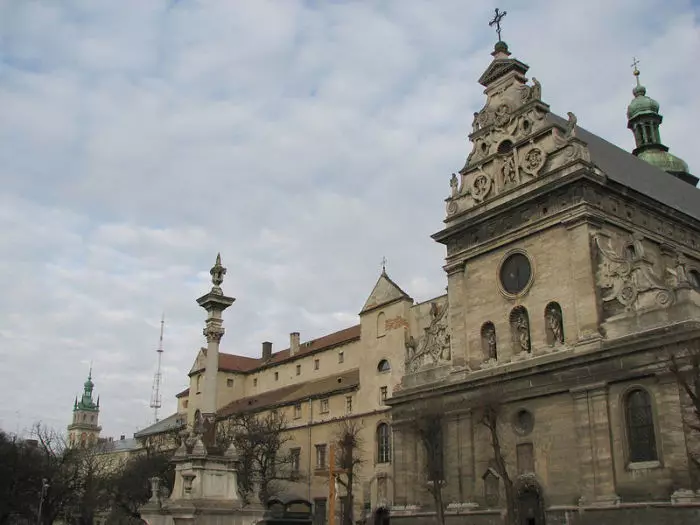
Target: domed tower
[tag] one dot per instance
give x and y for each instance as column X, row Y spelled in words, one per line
column 84, row 431
column 644, row 119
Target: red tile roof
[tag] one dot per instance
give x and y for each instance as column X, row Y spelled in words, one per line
column 240, row 363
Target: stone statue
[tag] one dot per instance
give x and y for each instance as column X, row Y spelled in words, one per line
column 536, row 92
column 454, row 185
column 571, row 125
column 490, row 337
column 475, row 123
column 554, row 322
column 508, row 170
column 523, row 329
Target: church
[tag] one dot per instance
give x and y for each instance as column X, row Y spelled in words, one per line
column 573, row 272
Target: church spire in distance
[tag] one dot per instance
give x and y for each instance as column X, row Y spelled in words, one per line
column 644, row 119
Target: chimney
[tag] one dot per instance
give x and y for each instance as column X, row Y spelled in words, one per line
column 294, row 343
column 267, row 350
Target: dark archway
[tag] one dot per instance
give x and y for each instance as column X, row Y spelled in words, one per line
column 381, row 516
column 530, row 502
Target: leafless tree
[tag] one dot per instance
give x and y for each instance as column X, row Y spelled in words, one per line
column 488, row 411
column 264, row 462
column 348, row 461
column 429, row 424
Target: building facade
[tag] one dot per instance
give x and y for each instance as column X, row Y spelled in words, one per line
column 573, row 273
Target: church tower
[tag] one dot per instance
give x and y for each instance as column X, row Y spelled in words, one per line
column 644, row 119
column 84, row 431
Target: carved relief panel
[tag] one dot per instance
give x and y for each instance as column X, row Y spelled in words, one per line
column 432, row 347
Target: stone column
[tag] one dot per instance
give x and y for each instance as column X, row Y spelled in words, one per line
column 214, row 302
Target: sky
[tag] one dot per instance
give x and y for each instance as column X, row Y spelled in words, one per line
column 304, row 140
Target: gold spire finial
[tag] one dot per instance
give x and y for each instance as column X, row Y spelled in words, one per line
column 635, row 70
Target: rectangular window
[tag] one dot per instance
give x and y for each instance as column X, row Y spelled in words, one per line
column 324, row 405
column 348, row 404
column 341, row 359
column 298, row 370
column 317, row 364
column 185, row 403
column 229, row 382
column 277, row 376
column 321, row 456
column 295, row 459
column 297, row 411
column 383, row 394
column 255, row 381
column 525, row 458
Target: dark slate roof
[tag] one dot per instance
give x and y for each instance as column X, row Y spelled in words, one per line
column 172, row 422
column 626, row 169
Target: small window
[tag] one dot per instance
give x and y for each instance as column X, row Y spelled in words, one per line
column 324, row 405
column 317, row 364
column 255, row 381
column 694, row 279
column 297, row 411
column 185, row 403
column 229, row 383
column 298, row 370
column 383, row 366
column 321, row 456
column 295, row 455
column 383, row 394
column 277, row 376
column 341, row 357
column 383, row 443
column 348, row 404
column 641, row 437
column 199, row 382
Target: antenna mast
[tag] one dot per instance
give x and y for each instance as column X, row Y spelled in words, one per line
column 155, row 393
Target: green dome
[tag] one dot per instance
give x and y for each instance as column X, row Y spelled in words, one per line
column 664, row 160
column 641, row 104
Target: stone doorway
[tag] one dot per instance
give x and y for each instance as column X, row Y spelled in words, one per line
column 381, row 516
column 530, row 507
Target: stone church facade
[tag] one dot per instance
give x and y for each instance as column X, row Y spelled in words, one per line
column 573, row 273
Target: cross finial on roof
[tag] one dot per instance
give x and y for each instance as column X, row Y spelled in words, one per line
column 498, row 16
column 383, row 264
column 635, row 70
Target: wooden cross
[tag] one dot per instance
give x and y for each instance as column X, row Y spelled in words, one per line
column 497, row 22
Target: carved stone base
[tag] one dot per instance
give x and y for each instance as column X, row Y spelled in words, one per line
column 684, row 496
column 461, row 507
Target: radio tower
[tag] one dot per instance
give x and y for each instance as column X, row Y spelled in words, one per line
column 155, row 394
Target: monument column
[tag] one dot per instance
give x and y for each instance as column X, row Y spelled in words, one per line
column 214, row 302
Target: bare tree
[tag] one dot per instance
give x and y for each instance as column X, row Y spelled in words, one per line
column 264, row 464
column 348, row 461
column 488, row 411
column 686, row 367
column 428, row 426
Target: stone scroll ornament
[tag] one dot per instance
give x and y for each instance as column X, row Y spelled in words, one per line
column 625, row 273
column 433, row 347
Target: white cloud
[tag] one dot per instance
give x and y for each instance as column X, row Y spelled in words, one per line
column 302, row 140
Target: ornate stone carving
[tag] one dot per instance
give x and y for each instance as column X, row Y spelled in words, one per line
column 480, row 186
column 571, row 125
column 679, row 272
column 627, row 274
column 452, row 207
column 533, row 160
column 522, row 327
column 213, row 331
column 536, row 90
column 555, row 325
column 475, row 123
column 510, row 176
column 454, row 185
column 434, row 346
column 502, row 115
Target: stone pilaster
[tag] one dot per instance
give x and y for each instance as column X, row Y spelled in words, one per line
column 458, row 329
column 584, row 451
column 671, row 442
column 401, row 466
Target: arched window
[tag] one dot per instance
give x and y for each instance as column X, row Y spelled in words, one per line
column 641, row 438
column 554, row 324
column 694, row 279
column 381, row 324
column 488, row 341
column 383, row 443
column 383, row 366
column 520, row 329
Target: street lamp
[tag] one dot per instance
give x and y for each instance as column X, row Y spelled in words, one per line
column 44, row 490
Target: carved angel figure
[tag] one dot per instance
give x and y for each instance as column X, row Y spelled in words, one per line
column 434, row 346
column 454, row 185
column 571, row 125
column 523, row 329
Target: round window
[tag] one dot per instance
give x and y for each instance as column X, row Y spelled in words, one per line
column 516, row 273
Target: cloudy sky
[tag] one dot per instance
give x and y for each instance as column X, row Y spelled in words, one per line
column 305, row 140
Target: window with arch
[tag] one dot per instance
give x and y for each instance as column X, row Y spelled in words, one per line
column 383, row 443
column 520, row 329
column 554, row 324
column 488, row 341
column 641, row 437
column 383, row 366
column 694, row 279
column 381, row 324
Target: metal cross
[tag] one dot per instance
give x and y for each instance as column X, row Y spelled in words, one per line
column 497, row 22
column 383, row 264
column 635, row 62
